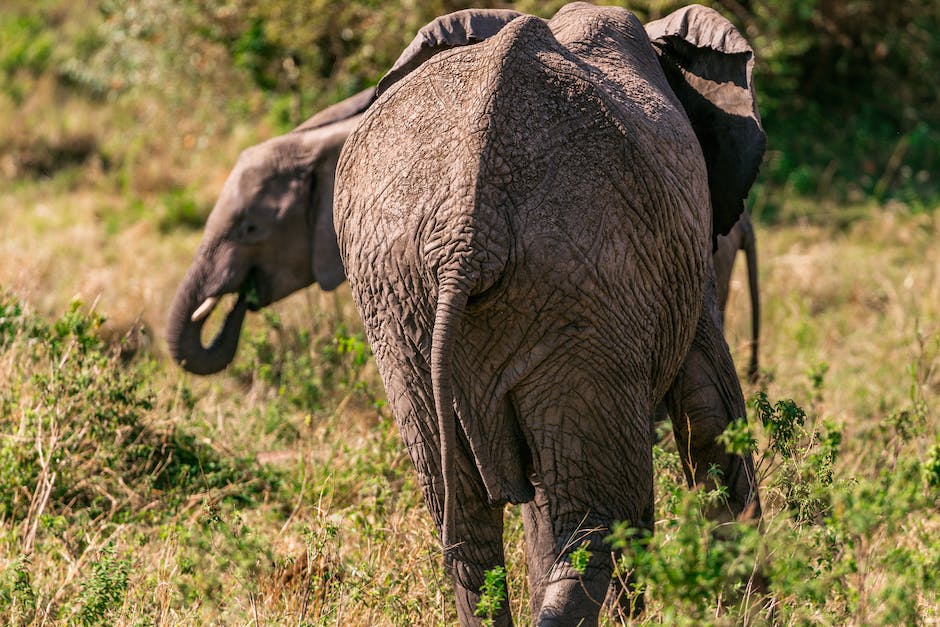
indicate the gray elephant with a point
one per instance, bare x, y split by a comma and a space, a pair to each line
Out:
527, 226
270, 234
740, 237
244, 245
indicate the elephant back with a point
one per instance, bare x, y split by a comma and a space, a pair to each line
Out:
516, 168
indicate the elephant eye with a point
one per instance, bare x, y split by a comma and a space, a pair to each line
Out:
248, 230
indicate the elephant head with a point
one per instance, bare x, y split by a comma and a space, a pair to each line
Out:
269, 234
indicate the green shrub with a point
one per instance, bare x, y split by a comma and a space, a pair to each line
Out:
17, 597
89, 417
26, 43
492, 594
104, 589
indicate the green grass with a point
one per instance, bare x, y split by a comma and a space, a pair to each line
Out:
280, 488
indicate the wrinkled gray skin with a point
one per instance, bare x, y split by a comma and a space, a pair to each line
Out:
741, 237
527, 226
269, 234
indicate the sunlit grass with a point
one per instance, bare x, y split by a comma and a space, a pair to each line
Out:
328, 521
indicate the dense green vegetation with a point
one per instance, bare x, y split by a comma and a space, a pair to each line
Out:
278, 492
846, 88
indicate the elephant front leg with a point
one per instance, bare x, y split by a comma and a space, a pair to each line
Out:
704, 399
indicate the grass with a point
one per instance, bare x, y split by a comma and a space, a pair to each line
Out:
279, 493
280, 489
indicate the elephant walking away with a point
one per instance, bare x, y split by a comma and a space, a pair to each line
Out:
527, 223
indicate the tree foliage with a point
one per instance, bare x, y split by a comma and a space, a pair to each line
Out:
846, 88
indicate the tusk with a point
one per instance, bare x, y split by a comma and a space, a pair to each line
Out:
205, 308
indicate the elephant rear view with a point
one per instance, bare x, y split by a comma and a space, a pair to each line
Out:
527, 225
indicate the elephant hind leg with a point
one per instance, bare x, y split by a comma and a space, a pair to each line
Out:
539, 545
571, 589
623, 599
575, 596
542, 556
480, 549
704, 399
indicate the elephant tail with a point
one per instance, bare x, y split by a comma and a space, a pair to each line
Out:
749, 245
451, 302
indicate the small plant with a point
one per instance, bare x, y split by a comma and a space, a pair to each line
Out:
797, 461
738, 438
492, 594
783, 421
690, 564
103, 592
909, 422
932, 467
17, 597
580, 557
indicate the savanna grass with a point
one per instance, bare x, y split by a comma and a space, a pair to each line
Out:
279, 491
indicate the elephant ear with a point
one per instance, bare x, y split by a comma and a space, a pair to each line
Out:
324, 134
327, 264
316, 151
709, 66
461, 28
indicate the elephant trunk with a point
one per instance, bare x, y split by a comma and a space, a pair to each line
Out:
184, 335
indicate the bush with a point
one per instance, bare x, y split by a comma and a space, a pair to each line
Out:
83, 447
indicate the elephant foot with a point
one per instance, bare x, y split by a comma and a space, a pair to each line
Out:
468, 592
571, 602
572, 598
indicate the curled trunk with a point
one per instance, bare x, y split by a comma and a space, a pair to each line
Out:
184, 336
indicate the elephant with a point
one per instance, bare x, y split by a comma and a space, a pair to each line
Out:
271, 231
740, 237
527, 221
229, 263
270, 234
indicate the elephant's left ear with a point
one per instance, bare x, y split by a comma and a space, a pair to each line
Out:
461, 28
710, 66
